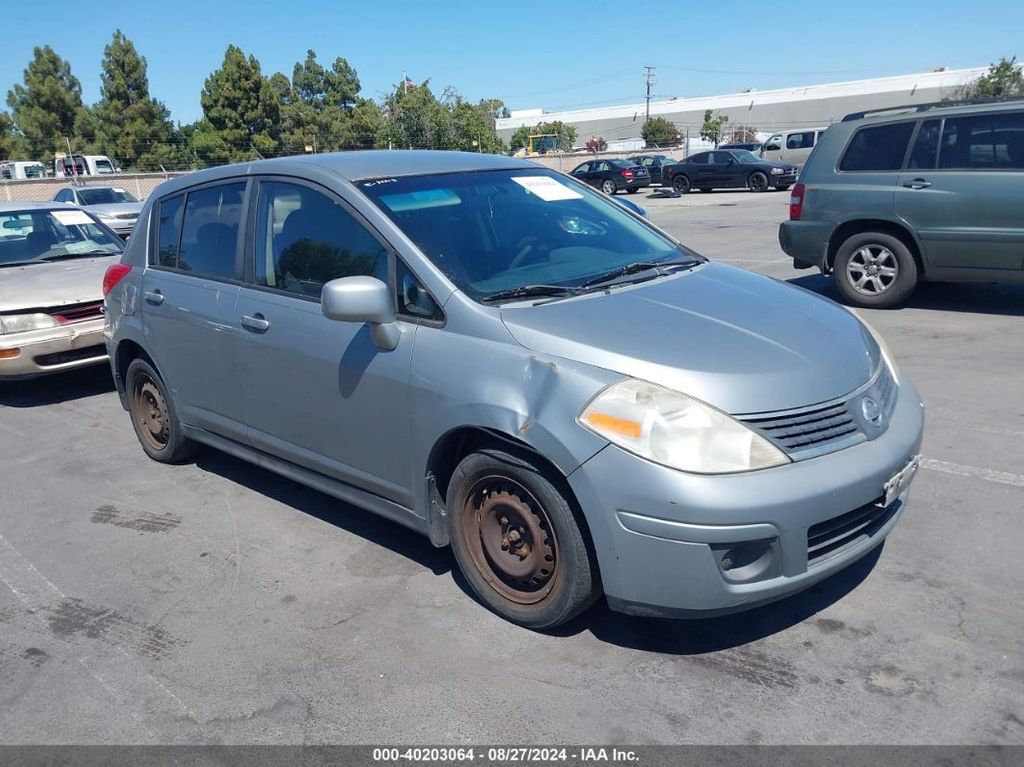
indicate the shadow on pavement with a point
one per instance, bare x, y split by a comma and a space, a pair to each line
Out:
970, 297
704, 635
353, 519
56, 388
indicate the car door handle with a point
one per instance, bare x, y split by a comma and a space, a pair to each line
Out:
918, 183
154, 297
256, 323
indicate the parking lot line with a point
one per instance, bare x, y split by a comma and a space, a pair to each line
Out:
989, 475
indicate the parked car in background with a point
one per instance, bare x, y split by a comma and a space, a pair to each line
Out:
114, 206
20, 169
750, 146
611, 176
791, 146
893, 197
52, 262
85, 165
653, 163
727, 169
497, 356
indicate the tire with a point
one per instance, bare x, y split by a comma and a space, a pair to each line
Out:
632, 190
154, 417
608, 186
498, 500
680, 184
874, 270
782, 187
706, 189
757, 182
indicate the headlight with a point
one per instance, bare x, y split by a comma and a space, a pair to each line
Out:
778, 171
21, 323
675, 430
887, 356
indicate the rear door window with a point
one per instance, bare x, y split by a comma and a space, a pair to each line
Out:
926, 145
168, 229
209, 234
700, 159
983, 142
878, 148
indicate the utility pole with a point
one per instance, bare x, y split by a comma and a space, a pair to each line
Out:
649, 80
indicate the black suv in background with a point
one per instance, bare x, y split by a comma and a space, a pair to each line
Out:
611, 176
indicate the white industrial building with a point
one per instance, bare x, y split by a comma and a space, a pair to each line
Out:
766, 111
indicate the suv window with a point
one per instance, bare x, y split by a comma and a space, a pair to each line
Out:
775, 142
880, 147
800, 140
209, 234
168, 230
926, 145
305, 239
989, 141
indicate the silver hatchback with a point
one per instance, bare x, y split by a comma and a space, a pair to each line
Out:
505, 360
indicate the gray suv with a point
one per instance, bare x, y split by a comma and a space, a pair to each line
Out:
931, 192
505, 360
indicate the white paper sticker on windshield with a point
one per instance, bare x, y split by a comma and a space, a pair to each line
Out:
72, 217
119, 190
547, 188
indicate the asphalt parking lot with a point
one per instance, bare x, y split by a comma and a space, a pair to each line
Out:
216, 603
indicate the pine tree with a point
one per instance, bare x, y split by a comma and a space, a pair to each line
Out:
45, 107
241, 110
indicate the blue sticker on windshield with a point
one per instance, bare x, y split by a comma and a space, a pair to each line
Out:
428, 198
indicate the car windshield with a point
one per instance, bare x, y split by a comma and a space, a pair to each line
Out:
36, 236
492, 232
104, 195
746, 157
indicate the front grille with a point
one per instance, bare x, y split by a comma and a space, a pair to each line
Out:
74, 355
77, 312
127, 216
834, 536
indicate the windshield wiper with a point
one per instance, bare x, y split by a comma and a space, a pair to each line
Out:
634, 268
525, 291
87, 254
18, 263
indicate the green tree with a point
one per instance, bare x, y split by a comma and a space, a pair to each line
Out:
659, 132
713, 127
130, 124
241, 109
12, 143
566, 135
1004, 79
741, 134
412, 117
45, 107
410, 114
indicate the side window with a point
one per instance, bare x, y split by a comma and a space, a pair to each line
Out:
700, 159
582, 168
992, 141
209, 234
880, 147
926, 145
305, 239
800, 140
721, 158
169, 227
775, 142
413, 298
602, 166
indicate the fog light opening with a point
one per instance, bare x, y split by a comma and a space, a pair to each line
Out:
748, 560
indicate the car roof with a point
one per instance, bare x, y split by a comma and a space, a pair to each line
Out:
10, 207
355, 166
936, 109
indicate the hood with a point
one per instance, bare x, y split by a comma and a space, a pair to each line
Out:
53, 283
740, 341
118, 209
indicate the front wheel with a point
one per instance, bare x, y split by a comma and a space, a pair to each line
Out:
517, 540
874, 270
608, 186
758, 182
632, 190
680, 184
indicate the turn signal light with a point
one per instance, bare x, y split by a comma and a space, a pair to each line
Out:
10, 354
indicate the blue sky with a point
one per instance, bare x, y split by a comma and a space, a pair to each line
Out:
576, 54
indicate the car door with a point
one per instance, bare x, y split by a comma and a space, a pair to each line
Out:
726, 171
599, 171
772, 149
189, 292
582, 172
319, 392
653, 166
701, 171
963, 192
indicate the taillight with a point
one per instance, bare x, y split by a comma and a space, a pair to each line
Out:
114, 275
627, 173
796, 202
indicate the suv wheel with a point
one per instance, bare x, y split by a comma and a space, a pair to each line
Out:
153, 416
608, 186
874, 270
517, 541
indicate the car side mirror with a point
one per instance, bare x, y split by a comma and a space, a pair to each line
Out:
363, 299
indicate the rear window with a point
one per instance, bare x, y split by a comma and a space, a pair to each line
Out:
991, 141
880, 147
209, 233
800, 140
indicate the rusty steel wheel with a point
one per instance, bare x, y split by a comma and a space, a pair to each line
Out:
153, 415
511, 539
149, 408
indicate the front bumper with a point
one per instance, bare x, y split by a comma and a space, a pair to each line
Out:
785, 179
52, 350
662, 536
806, 242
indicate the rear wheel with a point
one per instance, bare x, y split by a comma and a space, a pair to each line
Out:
608, 186
874, 270
517, 540
757, 182
153, 416
633, 190
680, 184
706, 189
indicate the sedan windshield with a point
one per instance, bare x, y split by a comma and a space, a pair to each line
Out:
496, 233
104, 195
746, 157
36, 236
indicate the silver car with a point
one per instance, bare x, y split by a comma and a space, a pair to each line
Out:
115, 207
507, 361
52, 261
